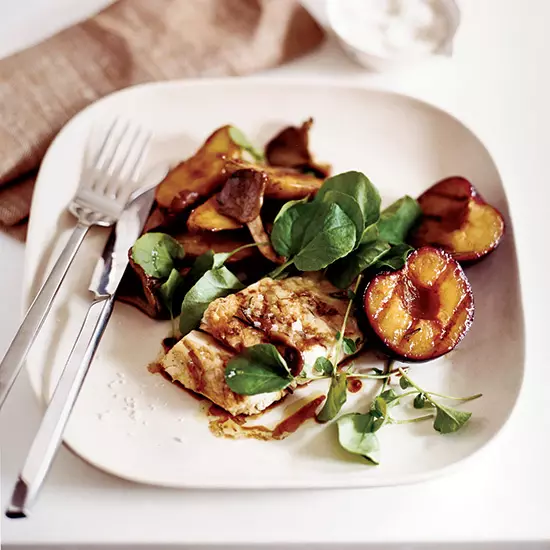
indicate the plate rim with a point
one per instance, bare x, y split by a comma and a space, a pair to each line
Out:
338, 480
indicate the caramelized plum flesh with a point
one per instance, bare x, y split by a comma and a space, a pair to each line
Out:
458, 220
423, 310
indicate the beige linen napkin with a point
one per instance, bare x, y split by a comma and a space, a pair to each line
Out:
130, 42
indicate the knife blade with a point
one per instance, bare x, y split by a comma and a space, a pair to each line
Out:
105, 280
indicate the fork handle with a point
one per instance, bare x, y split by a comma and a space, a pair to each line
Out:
50, 433
36, 314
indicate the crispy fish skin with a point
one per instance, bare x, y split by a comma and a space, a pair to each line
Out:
198, 362
303, 309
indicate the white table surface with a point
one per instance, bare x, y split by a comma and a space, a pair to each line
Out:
498, 84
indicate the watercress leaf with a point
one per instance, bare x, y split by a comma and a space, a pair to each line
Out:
200, 266
370, 234
358, 186
327, 234
282, 234
448, 420
350, 206
344, 271
377, 371
394, 259
348, 346
219, 259
380, 408
215, 283
389, 396
242, 141
156, 253
169, 288
351, 295
336, 398
323, 366
398, 219
420, 401
258, 369
356, 435
404, 383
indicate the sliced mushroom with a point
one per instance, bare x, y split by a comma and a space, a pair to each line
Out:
259, 235
207, 217
290, 149
242, 195
282, 183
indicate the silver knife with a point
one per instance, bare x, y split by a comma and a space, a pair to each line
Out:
105, 280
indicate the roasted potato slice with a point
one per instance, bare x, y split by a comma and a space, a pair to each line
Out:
200, 175
282, 183
200, 242
207, 217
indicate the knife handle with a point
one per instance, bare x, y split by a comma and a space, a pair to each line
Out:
50, 433
34, 318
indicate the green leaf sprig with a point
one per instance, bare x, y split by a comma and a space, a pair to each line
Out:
382, 245
337, 393
209, 279
157, 254
313, 235
258, 369
240, 139
357, 431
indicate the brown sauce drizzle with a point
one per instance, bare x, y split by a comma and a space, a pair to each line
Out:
224, 424
294, 421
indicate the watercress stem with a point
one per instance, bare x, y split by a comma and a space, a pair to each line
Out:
387, 372
243, 247
411, 420
337, 349
174, 326
430, 393
278, 270
463, 399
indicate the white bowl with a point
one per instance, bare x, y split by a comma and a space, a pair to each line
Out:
376, 62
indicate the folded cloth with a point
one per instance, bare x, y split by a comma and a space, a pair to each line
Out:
130, 42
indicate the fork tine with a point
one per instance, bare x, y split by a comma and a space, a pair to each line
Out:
134, 174
108, 137
116, 169
134, 167
105, 165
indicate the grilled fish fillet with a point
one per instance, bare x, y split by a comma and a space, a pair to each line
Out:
301, 311
198, 362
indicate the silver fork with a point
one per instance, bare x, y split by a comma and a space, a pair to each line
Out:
106, 182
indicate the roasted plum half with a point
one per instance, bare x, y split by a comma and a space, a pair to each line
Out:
423, 310
457, 219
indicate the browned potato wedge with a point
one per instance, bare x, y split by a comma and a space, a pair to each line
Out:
200, 242
207, 217
200, 175
283, 183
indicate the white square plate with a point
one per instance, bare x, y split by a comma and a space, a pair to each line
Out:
138, 426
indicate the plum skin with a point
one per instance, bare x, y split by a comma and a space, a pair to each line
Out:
376, 338
473, 256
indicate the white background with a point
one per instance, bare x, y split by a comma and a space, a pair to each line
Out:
497, 83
